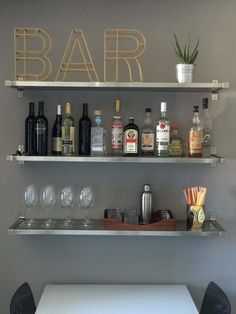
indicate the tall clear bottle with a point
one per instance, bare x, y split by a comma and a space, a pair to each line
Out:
206, 125
57, 133
195, 135
147, 135
41, 132
29, 131
85, 132
163, 133
68, 132
98, 137
117, 131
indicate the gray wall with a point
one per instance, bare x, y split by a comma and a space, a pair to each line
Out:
65, 259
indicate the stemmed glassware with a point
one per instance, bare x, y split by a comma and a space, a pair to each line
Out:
48, 200
66, 198
85, 200
30, 200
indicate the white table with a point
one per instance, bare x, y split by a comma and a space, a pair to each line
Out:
116, 299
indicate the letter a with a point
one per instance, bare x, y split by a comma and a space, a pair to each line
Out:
68, 63
114, 40
28, 61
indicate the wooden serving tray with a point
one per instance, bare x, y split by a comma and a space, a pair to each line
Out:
156, 224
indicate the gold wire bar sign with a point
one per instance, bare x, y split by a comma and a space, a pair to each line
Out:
114, 54
27, 59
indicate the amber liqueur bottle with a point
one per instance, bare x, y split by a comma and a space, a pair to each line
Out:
131, 139
195, 135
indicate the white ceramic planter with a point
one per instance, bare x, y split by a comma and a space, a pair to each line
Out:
184, 73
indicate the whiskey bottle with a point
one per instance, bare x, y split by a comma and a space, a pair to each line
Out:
195, 135
176, 143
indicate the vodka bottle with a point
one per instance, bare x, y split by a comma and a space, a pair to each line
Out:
117, 132
163, 133
98, 138
147, 135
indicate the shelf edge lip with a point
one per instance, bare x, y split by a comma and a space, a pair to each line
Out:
111, 159
116, 85
218, 232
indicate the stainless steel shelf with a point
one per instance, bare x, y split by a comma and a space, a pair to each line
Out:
163, 86
210, 229
213, 161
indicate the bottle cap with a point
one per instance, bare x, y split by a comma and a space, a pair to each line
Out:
117, 105
195, 109
175, 126
68, 107
163, 106
147, 188
97, 112
148, 110
59, 109
205, 103
131, 119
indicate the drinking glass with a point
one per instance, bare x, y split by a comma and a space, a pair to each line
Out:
48, 200
85, 200
30, 200
67, 201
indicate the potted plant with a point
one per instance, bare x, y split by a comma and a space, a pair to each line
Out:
187, 57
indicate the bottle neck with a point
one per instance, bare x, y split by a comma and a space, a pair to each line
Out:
163, 114
85, 110
41, 109
59, 110
31, 109
196, 118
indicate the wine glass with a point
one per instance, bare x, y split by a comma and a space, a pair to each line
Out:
85, 200
30, 200
67, 201
48, 200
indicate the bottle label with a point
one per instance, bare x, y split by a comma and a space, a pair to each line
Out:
56, 144
176, 148
163, 136
116, 134
147, 141
40, 128
195, 142
68, 140
131, 141
98, 140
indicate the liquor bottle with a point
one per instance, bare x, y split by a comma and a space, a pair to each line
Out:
206, 125
29, 131
85, 132
195, 135
163, 133
57, 133
117, 131
41, 132
147, 135
68, 132
98, 139
131, 139
176, 143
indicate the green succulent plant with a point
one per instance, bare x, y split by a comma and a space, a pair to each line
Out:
185, 55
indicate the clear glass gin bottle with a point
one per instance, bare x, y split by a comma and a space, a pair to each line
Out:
98, 140
163, 133
147, 135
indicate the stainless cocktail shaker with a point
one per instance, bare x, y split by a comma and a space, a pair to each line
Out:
146, 206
